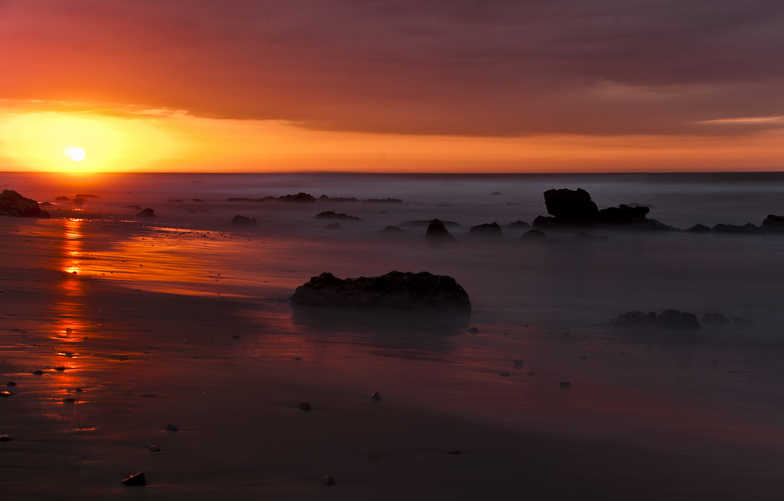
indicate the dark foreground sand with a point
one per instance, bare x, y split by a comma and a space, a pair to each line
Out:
148, 359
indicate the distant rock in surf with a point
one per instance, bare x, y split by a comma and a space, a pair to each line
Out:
496, 193
699, 228
333, 226
489, 230
333, 215
15, 205
61, 199
78, 201
243, 221
393, 230
426, 222
533, 235
437, 233
146, 213
746, 229
667, 319
393, 291
300, 197
574, 208
384, 201
517, 225
324, 198
773, 224
714, 320
85, 195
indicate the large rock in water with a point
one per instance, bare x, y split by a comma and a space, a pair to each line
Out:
14, 204
422, 292
773, 224
570, 205
489, 230
437, 232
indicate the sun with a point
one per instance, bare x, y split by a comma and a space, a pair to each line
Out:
76, 154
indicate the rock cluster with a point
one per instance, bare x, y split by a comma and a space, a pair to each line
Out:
333, 215
393, 291
489, 230
243, 221
15, 205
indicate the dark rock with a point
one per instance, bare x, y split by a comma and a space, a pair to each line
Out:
135, 479
235, 337
332, 215
243, 221
69, 400
298, 198
564, 385
437, 232
773, 224
504, 374
15, 205
152, 448
585, 237
732, 229
518, 225
5, 393
304, 406
5, 438
496, 193
384, 201
10, 383
393, 291
61, 369
85, 195
45, 203
327, 480
38, 372
135, 207
568, 205
333, 226
78, 201
634, 318
518, 364
171, 427
174, 201
489, 230
742, 322
146, 213
714, 319
677, 320
375, 396
699, 228
393, 230
453, 452
61, 199
324, 198
198, 200
533, 235
472, 330
425, 223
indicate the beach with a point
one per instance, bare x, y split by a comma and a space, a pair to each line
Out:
187, 320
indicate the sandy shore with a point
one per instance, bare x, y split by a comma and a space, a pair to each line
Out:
144, 359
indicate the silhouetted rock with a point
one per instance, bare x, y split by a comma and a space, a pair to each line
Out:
505, 374
15, 205
714, 319
85, 195
333, 215
742, 322
384, 201
61, 199
10, 383
437, 232
677, 320
564, 385
569, 205
746, 229
393, 230
327, 480
146, 213
773, 224
45, 203
517, 225
304, 406
5, 438
78, 201
324, 198
489, 230
533, 235
136, 207
171, 427
393, 291
135, 479
243, 221
425, 223
453, 452
634, 318
496, 193
333, 226
298, 198
582, 236
376, 397
699, 228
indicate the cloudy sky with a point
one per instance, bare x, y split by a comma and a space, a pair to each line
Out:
527, 85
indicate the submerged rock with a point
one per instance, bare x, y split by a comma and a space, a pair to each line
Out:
393, 291
15, 205
437, 232
243, 221
517, 225
146, 213
489, 230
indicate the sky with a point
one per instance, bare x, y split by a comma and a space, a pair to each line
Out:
392, 85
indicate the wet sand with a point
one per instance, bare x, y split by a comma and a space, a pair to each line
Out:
146, 359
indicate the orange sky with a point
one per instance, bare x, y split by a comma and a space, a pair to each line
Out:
392, 86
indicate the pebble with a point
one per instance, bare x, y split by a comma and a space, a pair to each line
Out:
171, 427
505, 374
38, 372
453, 452
375, 396
69, 400
564, 385
304, 406
518, 364
10, 383
135, 479
327, 480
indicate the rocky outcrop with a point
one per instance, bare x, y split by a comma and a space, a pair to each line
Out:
773, 224
714, 320
332, 215
490, 230
333, 226
699, 228
437, 233
243, 221
668, 319
533, 235
300, 197
146, 213
746, 229
574, 208
426, 222
393, 230
15, 205
421, 292
518, 225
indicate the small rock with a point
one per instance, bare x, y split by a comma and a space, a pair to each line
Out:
453, 452
304, 406
564, 385
472, 330
5, 393
327, 480
69, 400
297, 359
152, 448
375, 396
533, 235
518, 364
10, 383
235, 337
135, 479
79, 390
504, 374
5, 438
148, 212
38, 372
61, 369
171, 427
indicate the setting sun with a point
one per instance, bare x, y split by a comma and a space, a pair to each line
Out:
76, 154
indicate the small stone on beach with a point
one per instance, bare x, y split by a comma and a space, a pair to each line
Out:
304, 406
135, 479
10, 383
171, 427
327, 480
375, 397
564, 385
